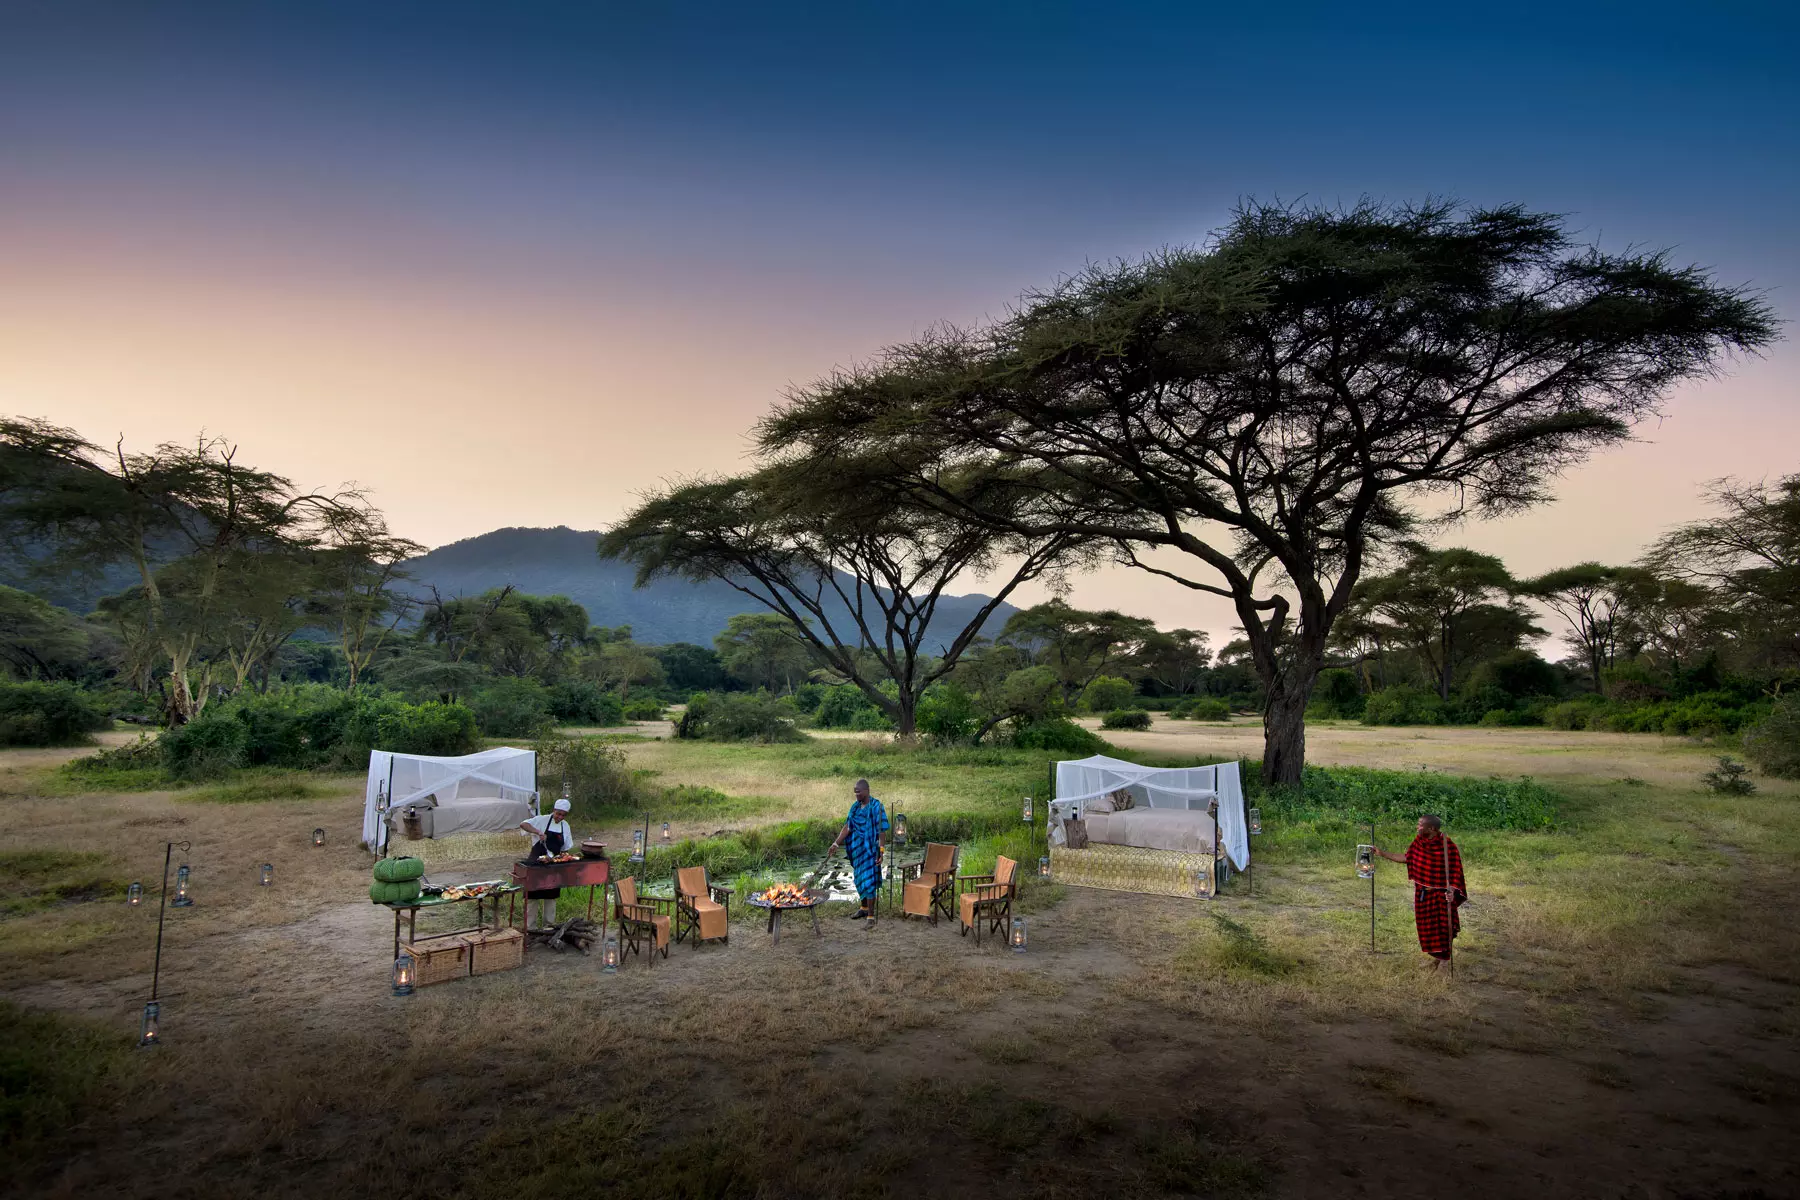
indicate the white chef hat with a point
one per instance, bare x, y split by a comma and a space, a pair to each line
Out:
561, 806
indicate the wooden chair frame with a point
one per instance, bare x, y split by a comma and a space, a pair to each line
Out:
993, 900
637, 923
687, 917
943, 887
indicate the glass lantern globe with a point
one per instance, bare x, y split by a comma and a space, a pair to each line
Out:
149, 1034
609, 956
1256, 820
666, 839
404, 974
1016, 939
565, 794
318, 837
637, 845
381, 798
134, 895
1203, 883
899, 827
1043, 866
1365, 862
1025, 811
182, 899
265, 874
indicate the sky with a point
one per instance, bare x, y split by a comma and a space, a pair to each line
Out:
517, 264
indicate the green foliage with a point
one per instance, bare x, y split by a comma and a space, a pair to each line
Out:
1337, 696
1241, 950
846, 707
581, 702
1727, 778
53, 1071
647, 709
1058, 734
1403, 705
739, 717
1106, 693
947, 714
512, 708
209, 747
35, 879
1126, 718
1773, 743
1202, 708
602, 786
1345, 795
48, 714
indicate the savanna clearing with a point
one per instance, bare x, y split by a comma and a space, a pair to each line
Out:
1622, 1021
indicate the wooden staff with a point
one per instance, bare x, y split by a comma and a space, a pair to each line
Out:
1449, 904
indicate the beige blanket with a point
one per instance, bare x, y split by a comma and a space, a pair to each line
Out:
477, 814
1153, 828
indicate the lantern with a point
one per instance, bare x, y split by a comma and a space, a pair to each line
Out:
899, 827
403, 974
134, 895
381, 798
666, 841
637, 845
318, 837
1203, 883
1365, 862
148, 1033
609, 956
1256, 820
566, 795
182, 899
1025, 812
1017, 938
266, 875
1044, 866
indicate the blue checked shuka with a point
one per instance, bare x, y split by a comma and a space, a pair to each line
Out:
868, 821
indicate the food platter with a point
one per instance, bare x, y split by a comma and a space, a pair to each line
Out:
475, 891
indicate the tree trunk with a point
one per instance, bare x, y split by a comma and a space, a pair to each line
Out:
906, 718
1284, 736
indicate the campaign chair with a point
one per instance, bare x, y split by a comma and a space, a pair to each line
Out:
642, 921
988, 899
933, 889
702, 908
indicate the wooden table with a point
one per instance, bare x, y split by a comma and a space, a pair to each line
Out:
590, 873
411, 910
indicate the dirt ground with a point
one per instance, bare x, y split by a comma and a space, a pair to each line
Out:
1113, 1058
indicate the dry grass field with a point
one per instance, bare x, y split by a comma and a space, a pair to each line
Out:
1622, 1021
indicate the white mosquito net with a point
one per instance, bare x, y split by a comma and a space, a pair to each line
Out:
1160, 787
504, 772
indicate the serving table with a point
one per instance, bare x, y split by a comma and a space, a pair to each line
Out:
410, 910
590, 873
813, 900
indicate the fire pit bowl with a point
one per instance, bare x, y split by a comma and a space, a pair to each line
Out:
789, 901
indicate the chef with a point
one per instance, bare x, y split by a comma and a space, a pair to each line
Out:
552, 836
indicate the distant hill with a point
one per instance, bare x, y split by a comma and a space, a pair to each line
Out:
563, 562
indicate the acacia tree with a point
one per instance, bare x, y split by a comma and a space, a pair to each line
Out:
834, 548
1078, 645
1591, 597
1273, 406
360, 567
1433, 597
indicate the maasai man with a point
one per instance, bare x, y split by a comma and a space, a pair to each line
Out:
1434, 865
865, 829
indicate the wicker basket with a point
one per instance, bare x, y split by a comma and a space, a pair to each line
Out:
440, 959
496, 950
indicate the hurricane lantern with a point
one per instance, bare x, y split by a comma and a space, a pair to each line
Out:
1203, 883
1025, 811
609, 957
566, 795
1256, 820
1365, 862
666, 839
1017, 938
1043, 866
403, 974
637, 845
266, 874
899, 827
381, 798
318, 837
134, 895
148, 1033
182, 899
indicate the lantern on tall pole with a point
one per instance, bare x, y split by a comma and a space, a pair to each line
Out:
149, 1027
182, 899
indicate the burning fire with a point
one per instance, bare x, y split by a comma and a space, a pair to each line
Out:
786, 895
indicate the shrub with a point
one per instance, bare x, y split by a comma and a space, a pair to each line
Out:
208, 747
1403, 705
512, 708
1728, 778
1106, 693
48, 714
1126, 718
1338, 695
1209, 709
1773, 743
1358, 793
1058, 734
601, 785
432, 728
580, 702
647, 709
845, 707
947, 714
1517, 674
1573, 714
738, 717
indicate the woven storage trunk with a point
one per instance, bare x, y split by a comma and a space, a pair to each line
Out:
440, 959
1129, 869
496, 950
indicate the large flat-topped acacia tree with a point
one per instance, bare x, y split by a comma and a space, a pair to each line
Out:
1282, 402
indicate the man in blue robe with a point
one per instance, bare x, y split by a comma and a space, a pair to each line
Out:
865, 829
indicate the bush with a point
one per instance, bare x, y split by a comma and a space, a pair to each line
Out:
208, 747
432, 728
845, 707
512, 708
48, 714
1515, 674
1403, 705
947, 714
1773, 743
1728, 778
738, 717
1058, 734
1106, 693
1573, 714
1358, 793
1337, 696
1207, 708
648, 709
580, 702
1126, 718
602, 786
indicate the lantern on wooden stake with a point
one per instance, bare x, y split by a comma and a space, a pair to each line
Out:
1256, 820
1016, 939
900, 827
182, 899
403, 974
609, 956
134, 895
265, 875
637, 845
565, 794
1365, 862
148, 1032
318, 837
1043, 866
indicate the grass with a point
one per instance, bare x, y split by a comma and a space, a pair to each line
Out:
33, 880
53, 1069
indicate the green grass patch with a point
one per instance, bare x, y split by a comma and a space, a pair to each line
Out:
33, 880
256, 786
52, 1069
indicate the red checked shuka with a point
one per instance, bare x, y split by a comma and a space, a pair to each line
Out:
1435, 898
